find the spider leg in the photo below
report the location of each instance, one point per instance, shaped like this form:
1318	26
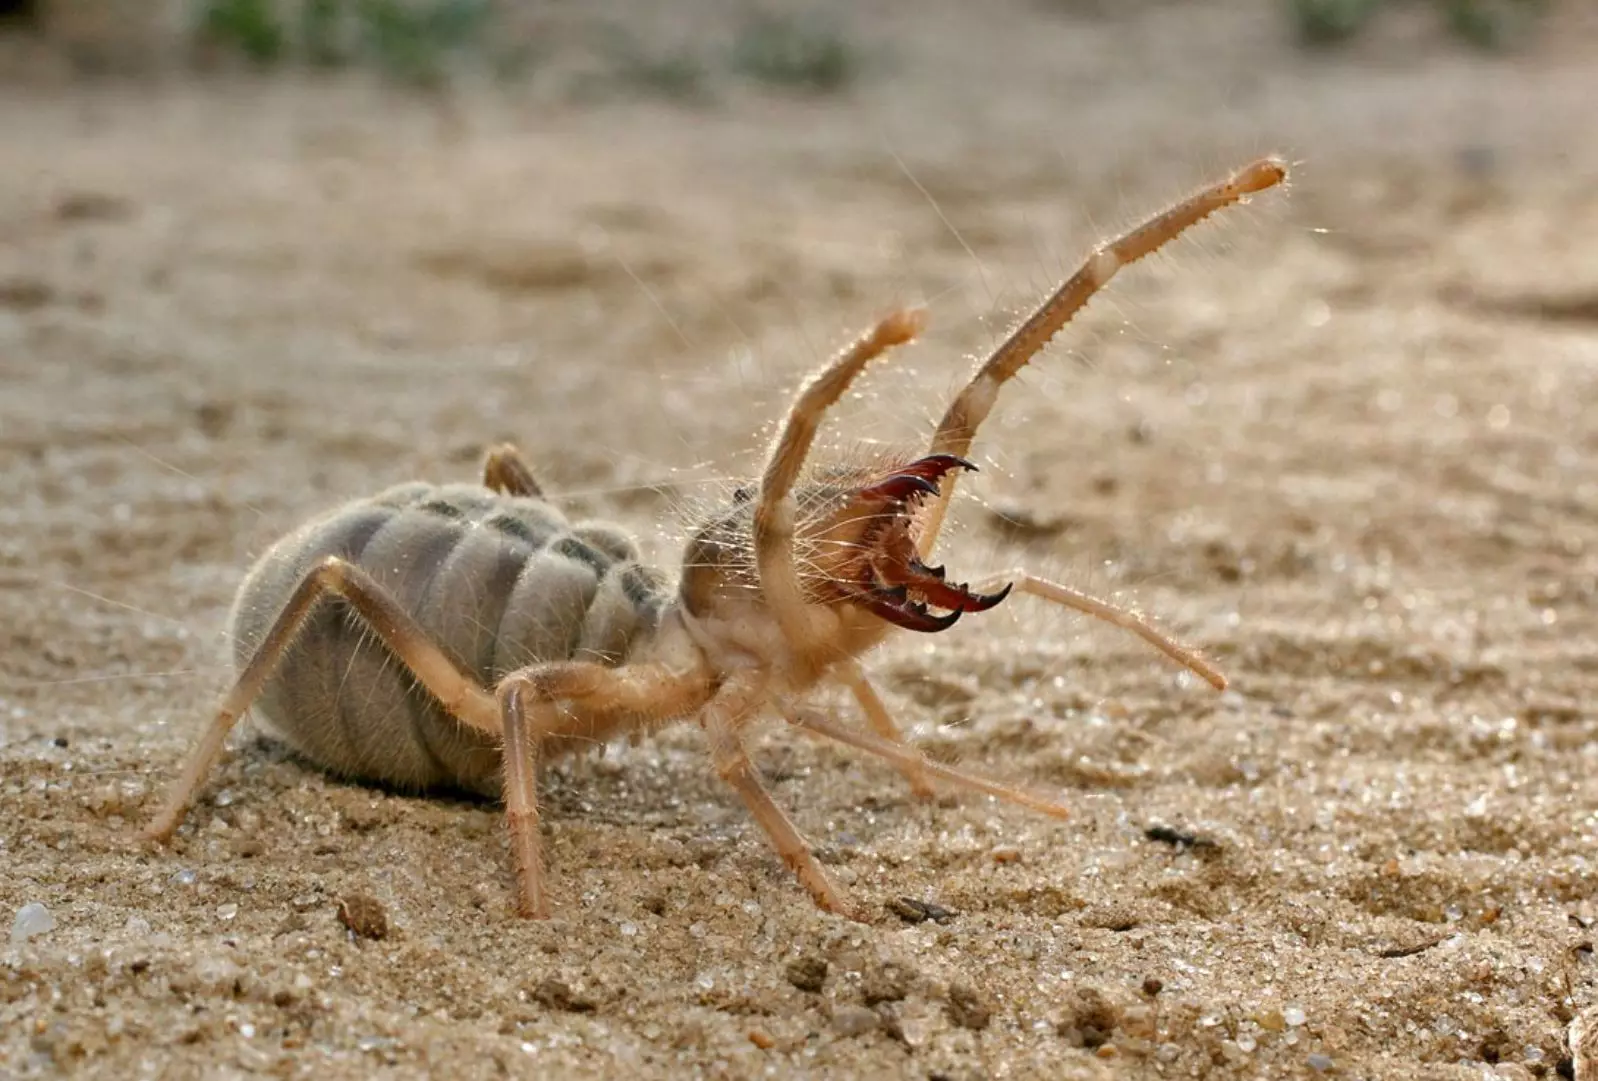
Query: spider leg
903	758
852	676
724	719
973	404
455	690
1124	618
572	700
505	470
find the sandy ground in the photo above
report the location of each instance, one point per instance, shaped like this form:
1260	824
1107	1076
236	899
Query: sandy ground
1341	440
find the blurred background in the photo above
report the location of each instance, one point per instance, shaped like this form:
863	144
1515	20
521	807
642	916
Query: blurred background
812	46
259	258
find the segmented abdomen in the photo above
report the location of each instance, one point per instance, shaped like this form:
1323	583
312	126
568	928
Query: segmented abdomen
496	581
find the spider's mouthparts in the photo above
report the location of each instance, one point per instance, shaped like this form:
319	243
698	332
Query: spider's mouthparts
895	606
920	477
893	603
900	574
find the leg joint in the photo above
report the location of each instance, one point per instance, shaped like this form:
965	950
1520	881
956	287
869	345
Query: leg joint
732	764
553	680
333	573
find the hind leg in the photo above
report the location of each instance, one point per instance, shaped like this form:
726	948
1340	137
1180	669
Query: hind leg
505	470
456	691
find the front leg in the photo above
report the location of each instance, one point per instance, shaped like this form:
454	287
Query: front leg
736	703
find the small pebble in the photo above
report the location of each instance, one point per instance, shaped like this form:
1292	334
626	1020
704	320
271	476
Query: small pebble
889	982
968	1007
851	1021
1112	917
911	910
1319	1063
808	973
1094	1017
364	915
32	919
1270	1020
553	994
1006	854
1178	838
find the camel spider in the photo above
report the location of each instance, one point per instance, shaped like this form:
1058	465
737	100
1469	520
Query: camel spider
521	636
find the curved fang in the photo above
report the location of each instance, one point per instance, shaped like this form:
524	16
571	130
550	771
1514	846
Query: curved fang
890	605
920	477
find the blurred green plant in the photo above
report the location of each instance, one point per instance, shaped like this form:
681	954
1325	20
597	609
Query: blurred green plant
414	42
1325	22
1485	24
250	26
325	33
805	55
411	41
796	53
1492	24
425	42
679	74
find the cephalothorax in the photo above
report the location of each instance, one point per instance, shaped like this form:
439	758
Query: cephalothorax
472	632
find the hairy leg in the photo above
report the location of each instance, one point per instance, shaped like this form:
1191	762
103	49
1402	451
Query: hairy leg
724	718
505	470
852	676
971	407
902	757
598	700
455	690
774	512
521	797
1122	617
532	714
